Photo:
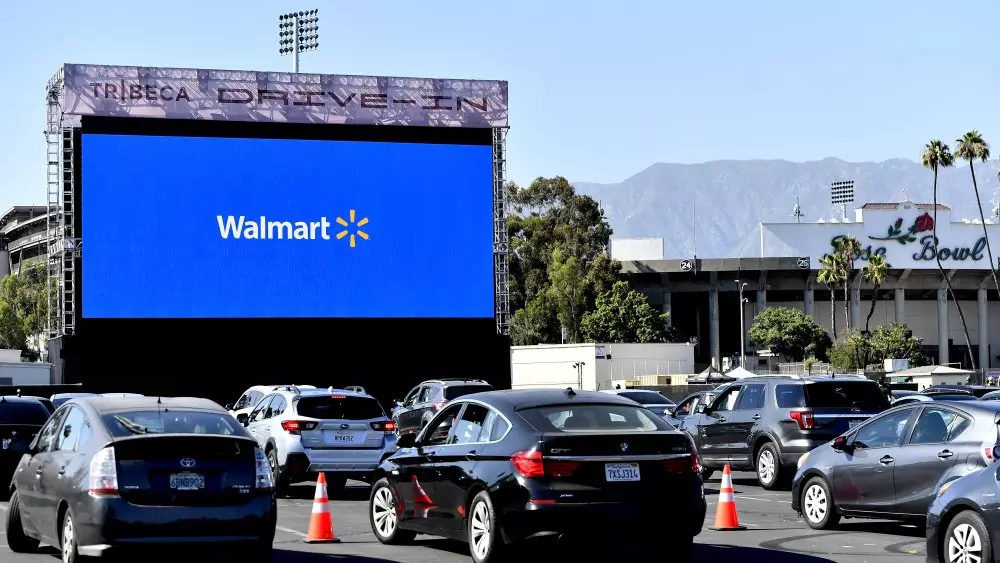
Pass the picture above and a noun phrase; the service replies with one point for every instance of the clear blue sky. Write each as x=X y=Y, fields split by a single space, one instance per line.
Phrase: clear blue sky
x=598 y=91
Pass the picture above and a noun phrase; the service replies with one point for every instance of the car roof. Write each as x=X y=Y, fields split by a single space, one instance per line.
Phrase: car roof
x=22 y=400
x=118 y=404
x=456 y=381
x=327 y=392
x=72 y=395
x=516 y=399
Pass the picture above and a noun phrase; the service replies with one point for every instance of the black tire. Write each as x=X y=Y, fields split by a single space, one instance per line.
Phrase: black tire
x=391 y=534
x=967 y=530
x=335 y=483
x=67 y=539
x=818 y=508
x=488 y=547
x=706 y=473
x=17 y=540
x=768 y=466
x=280 y=478
x=260 y=553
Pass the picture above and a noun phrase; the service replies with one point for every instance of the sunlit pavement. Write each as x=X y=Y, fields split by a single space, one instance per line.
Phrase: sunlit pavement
x=774 y=534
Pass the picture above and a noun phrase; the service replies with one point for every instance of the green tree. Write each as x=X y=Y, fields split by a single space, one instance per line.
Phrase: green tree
x=891 y=341
x=875 y=272
x=791 y=333
x=831 y=273
x=847 y=249
x=937 y=155
x=551 y=221
x=972 y=147
x=623 y=315
x=23 y=308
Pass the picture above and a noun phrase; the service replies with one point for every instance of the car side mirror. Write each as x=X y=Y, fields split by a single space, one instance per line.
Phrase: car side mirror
x=407 y=441
x=840 y=444
x=67 y=431
x=230 y=406
x=243 y=418
x=397 y=402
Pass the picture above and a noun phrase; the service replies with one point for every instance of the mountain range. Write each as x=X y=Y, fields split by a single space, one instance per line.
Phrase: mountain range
x=712 y=209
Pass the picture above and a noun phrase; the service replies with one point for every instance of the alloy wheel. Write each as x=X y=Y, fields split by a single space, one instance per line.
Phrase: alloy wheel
x=481 y=535
x=815 y=504
x=765 y=466
x=68 y=540
x=965 y=545
x=384 y=512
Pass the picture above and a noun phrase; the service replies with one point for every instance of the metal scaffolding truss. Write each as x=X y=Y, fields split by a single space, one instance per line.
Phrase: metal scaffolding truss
x=63 y=243
x=501 y=244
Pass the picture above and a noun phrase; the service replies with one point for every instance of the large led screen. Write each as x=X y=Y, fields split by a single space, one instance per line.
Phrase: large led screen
x=207 y=227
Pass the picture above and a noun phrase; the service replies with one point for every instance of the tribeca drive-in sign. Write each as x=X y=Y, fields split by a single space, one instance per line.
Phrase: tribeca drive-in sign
x=920 y=232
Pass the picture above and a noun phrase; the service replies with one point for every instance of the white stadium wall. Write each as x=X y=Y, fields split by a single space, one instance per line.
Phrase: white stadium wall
x=626 y=249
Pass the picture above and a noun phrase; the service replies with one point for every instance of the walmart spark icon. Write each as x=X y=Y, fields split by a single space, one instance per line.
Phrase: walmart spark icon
x=357 y=228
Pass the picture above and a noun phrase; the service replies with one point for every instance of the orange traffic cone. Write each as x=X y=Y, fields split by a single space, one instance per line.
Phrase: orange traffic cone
x=321 y=523
x=726 y=516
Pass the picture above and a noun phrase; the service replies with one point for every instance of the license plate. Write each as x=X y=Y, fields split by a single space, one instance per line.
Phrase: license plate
x=853 y=423
x=187 y=481
x=340 y=437
x=6 y=443
x=621 y=472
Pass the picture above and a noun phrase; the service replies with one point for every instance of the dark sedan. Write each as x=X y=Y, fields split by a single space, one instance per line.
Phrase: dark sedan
x=20 y=420
x=960 y=519
x=112 y=475
x=494 y=468
x=893 y=465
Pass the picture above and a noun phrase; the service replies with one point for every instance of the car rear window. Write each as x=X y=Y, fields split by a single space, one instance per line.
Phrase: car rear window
x=171 y=421
x=337 y=407
x=593 y=418
x=23 y=413
x=832 y=394
x=456 y=391
x=647 y=397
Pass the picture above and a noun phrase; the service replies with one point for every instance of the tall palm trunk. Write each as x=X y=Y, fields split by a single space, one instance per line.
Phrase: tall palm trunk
x=872 y=310
x=982 y=219
x=947 y=280
x=833 y=311
x=847 y=301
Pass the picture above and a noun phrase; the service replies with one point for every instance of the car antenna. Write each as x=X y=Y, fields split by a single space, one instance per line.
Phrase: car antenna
x=570 y=392
x=18 y=392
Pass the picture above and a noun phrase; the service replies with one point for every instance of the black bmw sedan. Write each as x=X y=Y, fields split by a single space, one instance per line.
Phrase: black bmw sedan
x=893 y=465
x=497 y=467
x=112 y=475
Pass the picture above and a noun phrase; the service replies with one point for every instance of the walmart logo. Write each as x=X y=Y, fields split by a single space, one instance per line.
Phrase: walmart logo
x=349 y=226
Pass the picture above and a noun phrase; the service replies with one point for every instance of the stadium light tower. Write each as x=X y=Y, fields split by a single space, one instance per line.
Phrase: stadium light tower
x=298 y=32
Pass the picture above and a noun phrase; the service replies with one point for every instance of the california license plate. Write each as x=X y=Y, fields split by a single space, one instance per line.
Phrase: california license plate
x=621 y=472
x=187 y=481
x=853 y=423
x=340 y=437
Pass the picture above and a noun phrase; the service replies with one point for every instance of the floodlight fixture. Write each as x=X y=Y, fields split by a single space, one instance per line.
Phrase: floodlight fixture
x=842 y=193
x=298 y=32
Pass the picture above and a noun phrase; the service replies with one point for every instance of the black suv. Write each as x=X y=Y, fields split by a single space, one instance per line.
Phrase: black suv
x=426 y=399
x=766 y=423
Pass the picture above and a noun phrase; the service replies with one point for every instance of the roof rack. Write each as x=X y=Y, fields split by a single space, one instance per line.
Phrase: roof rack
x=289 y=388
x=457 y=379
x=355 y=389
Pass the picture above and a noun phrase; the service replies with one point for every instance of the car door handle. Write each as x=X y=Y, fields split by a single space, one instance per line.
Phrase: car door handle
x=945 y=454
x=722 y=419
x=886 y=460
x=472 y=455
x=756 y=417
x=62 y=471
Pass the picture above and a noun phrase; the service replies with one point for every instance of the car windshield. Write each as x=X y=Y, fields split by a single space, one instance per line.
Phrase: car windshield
x=23 y=413
x=646 y=397
x=832 y=394
x=456 y=391
x=170 y=421
x=593 y=418
x=339 y=407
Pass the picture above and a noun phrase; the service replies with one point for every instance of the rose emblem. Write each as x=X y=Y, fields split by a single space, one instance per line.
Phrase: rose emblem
x=924 y=223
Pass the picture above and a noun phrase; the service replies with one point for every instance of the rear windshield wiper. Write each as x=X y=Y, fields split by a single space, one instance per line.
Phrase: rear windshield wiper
x=131 y=426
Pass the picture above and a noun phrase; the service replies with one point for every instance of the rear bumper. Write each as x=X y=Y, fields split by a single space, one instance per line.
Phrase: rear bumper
x=110 y=525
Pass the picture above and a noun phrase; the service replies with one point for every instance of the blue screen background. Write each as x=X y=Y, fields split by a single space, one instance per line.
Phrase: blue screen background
x=152 y=248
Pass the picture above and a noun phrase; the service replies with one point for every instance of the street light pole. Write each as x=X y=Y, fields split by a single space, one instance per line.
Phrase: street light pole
x=298 y=32
x=743 y=348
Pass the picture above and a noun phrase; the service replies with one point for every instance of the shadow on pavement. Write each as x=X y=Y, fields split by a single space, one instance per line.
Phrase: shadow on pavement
x=306 y=491
x=737 y=554
x=884 y=527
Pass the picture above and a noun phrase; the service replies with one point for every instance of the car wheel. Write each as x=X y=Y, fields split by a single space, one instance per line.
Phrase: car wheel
x=485 y=540
x=383 y=516
x=967 y=539
x=280 y=479
x=17 y=540
x=261 y=553
x=817 y=505
x=67 y=540
x=768 y=466
x=335 y=483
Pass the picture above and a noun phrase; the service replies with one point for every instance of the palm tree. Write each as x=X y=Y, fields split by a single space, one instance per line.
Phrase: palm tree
x=830 y=273
x=848 y=248
x=938 y=155
x=875 y=272
x=972 y=147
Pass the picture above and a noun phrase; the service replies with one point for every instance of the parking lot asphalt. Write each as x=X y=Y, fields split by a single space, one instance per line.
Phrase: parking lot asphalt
x=774 y=534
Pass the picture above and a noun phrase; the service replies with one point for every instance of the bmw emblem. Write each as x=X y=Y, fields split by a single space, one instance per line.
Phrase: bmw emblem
x=624 y=447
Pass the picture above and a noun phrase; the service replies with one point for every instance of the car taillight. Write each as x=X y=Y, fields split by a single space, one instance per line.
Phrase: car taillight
x=439 y=404
x=687 y=464
x=531 y=463
x=104 y=473
x=296 y=426
x=803 y=418
x=991 y=452
x=264 y=480
x=386 y=426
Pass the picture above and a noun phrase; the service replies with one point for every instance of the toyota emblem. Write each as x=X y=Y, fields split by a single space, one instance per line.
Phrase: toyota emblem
x=624 y=447
x=187 y=463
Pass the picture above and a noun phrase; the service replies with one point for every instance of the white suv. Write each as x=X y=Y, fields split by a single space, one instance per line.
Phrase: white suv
x=252 y=396
x=304 y=432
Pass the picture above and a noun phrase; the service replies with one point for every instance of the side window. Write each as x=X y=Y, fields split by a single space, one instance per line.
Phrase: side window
x=500 y=427
x=752 y=398
x=883 y=432
x=278 y=406
x=686 y=407
x=242 y=403
x=937 y=426
x=260 y=410
x=72 y=430
x=727 y=401
x=411 y=398
x=789 y=396
x=470 y=426
x=438 y=430
x=45 y=442
x=434 y=393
